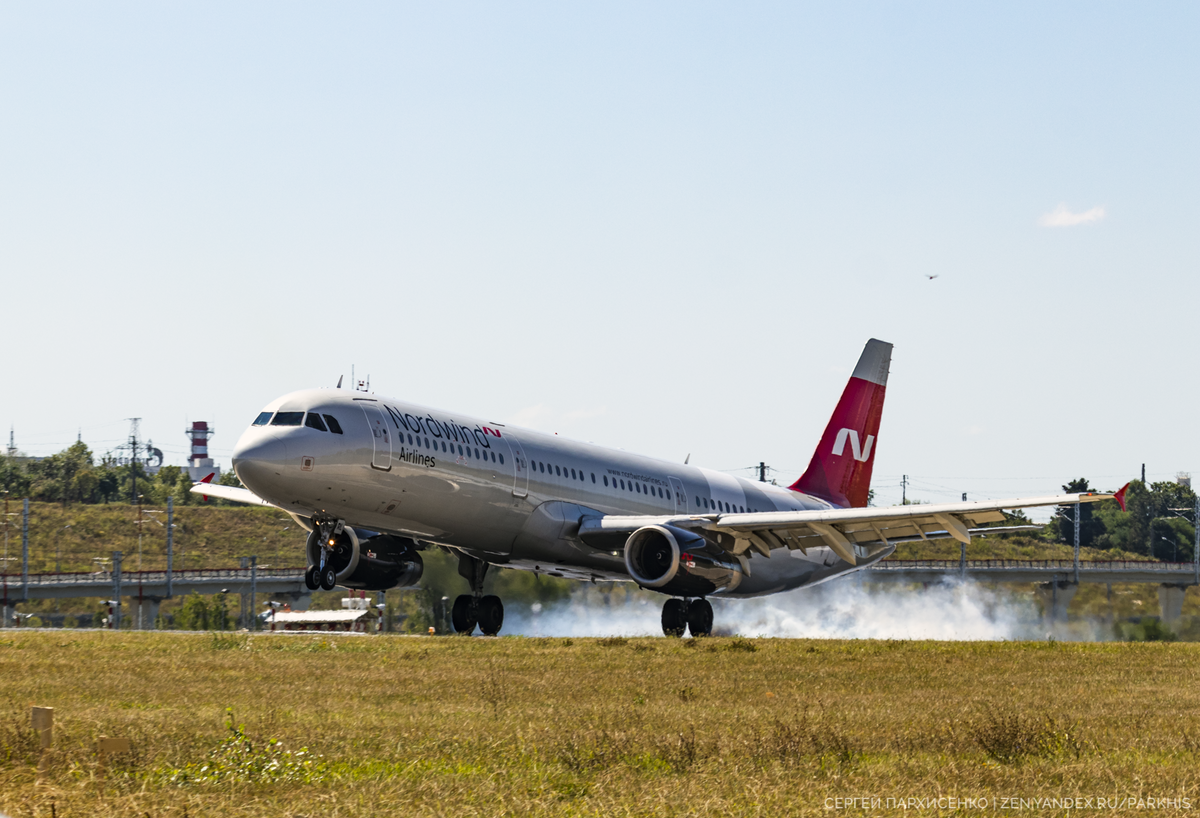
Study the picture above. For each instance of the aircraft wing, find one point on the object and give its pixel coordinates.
(231, 493)
(838, 528)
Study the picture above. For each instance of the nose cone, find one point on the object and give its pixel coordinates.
(258, 460)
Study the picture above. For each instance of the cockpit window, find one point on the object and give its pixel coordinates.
(288, 419)
(334, 426)
(263, 419)
(313, 421)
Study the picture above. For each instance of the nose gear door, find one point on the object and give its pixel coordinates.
(520, 465)
(381, 436)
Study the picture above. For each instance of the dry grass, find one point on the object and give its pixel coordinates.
(454, 726)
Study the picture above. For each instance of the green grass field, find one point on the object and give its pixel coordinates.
(452, 726)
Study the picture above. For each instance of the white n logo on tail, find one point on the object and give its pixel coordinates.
(856, 449)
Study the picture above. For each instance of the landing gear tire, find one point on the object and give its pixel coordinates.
(674, 617)
(328, 578)
(464, 614)
(311, 581)
(700, 617)
(491, 615)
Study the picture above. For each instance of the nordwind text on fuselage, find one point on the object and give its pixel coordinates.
(447, 431)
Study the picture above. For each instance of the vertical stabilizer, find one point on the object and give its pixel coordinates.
(840, 471)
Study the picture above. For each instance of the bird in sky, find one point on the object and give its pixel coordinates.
(932, 277)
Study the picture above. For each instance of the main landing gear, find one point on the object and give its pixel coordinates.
(696, 615)
(322, 575)
(474, 608)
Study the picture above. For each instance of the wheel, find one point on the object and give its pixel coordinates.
(328, 578)
(311, 581)
(674, 617)
(491, 615)
(700, 617)
(463, 616)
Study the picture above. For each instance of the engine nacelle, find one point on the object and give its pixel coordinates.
(371, 562)
(677, 562)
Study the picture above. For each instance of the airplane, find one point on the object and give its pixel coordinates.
(375, 481)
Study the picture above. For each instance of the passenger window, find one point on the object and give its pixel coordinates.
(477, 457)
(556, 471)
(697, 501)
(493, 457)
(262, 420)
(639, 487)
(605, 479)
(501, 460)
(288, 419)
(593, 477)
(460, 451)
(541, 467)
(313, 421)
(572, 474)
(426, 443)
(622, 485)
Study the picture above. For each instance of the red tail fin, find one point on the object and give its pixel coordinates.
(840, 471)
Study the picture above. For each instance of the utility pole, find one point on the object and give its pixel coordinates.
(762, 472)
(116, 580)
(1077, 509)
(139, 524)
(1143, 474)
(1196, 547)
(253, 623)
(904, 490)
(25, 551)
(170, 541)
(133, 454)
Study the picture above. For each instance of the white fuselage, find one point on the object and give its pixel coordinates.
(510, 496)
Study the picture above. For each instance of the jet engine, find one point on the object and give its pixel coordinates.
(677, 562)
(369, 561)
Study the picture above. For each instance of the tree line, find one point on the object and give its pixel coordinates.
(1157, 521)
(76, 475)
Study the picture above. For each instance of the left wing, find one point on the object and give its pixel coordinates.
(231, 493)
(841, 529)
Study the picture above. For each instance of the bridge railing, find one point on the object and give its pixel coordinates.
(154, 577)
(1056, 565)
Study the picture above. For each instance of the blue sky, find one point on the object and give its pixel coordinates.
(668, 227)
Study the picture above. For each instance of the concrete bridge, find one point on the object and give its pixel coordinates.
(1056, 581)
(145, 590)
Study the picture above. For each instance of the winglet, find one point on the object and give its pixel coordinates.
(1119, 496)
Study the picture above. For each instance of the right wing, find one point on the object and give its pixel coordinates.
(841, 529)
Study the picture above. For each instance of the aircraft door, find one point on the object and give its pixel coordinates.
(381, 436)
(520, 465)
(680, 496)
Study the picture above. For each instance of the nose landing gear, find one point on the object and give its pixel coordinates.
(322, 575)
(476, 609)
(694, 615)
